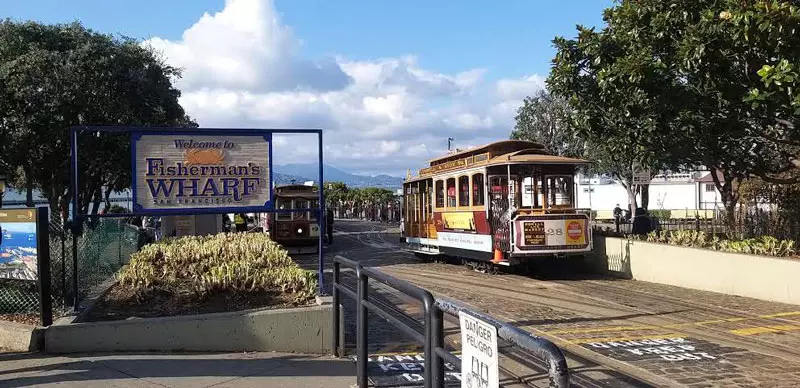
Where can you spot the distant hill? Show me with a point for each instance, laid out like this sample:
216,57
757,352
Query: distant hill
332,174
284,179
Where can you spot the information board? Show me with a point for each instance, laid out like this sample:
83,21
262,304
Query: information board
225,171
533,232
18,249
479,359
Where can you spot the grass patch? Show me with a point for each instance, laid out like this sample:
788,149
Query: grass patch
189,275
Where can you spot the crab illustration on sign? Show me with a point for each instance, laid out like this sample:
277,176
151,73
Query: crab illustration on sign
196,156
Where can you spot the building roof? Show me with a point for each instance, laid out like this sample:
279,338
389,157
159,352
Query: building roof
709,179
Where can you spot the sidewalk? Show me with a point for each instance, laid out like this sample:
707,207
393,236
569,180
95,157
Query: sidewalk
176,370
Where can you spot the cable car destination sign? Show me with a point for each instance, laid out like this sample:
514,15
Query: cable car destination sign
201,171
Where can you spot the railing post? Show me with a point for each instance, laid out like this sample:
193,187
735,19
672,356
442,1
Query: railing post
437,336
336,308
428,305
361,329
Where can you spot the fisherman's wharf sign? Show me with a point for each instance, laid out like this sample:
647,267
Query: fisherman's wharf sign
201,171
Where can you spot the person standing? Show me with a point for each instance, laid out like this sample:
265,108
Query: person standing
241,222
329,224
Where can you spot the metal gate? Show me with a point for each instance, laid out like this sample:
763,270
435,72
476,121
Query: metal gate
499,219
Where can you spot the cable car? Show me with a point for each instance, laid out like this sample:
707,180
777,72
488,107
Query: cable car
298,232
505,203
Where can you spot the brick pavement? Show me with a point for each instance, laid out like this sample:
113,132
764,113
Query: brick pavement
668,350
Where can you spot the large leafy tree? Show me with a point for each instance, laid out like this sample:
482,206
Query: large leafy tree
57,76
545,119
680,79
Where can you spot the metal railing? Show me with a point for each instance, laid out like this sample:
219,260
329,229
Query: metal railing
432,338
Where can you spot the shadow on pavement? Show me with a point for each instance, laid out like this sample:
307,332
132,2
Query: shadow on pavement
154,366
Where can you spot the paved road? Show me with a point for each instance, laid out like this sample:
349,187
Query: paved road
614,332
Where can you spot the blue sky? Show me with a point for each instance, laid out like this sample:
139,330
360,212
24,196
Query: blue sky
345,66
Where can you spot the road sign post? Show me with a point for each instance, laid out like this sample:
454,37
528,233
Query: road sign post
479,361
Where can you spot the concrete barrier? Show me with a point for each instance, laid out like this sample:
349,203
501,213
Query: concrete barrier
302,330
761,277
20,337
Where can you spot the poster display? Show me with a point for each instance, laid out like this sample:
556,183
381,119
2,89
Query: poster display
18,252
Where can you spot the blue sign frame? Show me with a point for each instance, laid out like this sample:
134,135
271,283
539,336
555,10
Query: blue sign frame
268,205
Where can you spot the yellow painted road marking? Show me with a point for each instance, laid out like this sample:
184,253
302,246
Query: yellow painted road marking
673,326
765,329
778,315
623,339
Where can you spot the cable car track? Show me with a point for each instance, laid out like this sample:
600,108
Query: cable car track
709,333
519,356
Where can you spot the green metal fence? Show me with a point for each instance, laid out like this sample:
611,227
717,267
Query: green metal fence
104,246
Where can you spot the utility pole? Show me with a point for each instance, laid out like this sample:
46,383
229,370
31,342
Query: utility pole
449,140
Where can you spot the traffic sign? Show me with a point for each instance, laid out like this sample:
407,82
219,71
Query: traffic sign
479,364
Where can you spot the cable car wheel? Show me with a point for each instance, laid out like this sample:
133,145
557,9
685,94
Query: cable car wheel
481,266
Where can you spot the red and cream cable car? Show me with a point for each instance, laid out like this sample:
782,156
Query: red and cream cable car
502,203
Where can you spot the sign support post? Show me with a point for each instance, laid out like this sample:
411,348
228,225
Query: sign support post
321,223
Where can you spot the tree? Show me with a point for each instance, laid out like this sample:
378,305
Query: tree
620,126
680,79
335,195
57,76
545,119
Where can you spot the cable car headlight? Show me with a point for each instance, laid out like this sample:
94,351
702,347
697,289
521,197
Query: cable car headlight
299,230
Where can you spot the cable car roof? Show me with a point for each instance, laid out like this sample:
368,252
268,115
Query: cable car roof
494,154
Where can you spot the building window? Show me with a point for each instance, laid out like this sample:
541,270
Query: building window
451,192
710,188
477,190
439,193
463,191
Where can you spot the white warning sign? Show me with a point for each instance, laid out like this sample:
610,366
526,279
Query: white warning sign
478,353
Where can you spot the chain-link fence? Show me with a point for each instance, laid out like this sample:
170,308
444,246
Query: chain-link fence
746,222
104,246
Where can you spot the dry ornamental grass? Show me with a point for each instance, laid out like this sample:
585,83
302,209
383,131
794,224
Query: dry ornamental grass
223,263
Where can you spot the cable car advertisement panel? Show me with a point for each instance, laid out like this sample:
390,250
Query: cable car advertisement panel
554,232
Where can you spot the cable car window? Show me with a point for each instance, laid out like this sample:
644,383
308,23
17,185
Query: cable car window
463,191
314,204
284,204
498,188
451,192
300,203
439,194
477,190
559,191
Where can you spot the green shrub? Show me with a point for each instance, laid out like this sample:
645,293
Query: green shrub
237,262
661,214
764,245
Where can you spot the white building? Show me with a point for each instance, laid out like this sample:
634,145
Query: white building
677,192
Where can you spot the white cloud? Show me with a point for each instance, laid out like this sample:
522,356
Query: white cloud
242,69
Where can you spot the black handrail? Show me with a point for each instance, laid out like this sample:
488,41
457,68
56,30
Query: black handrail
433,337
546,350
